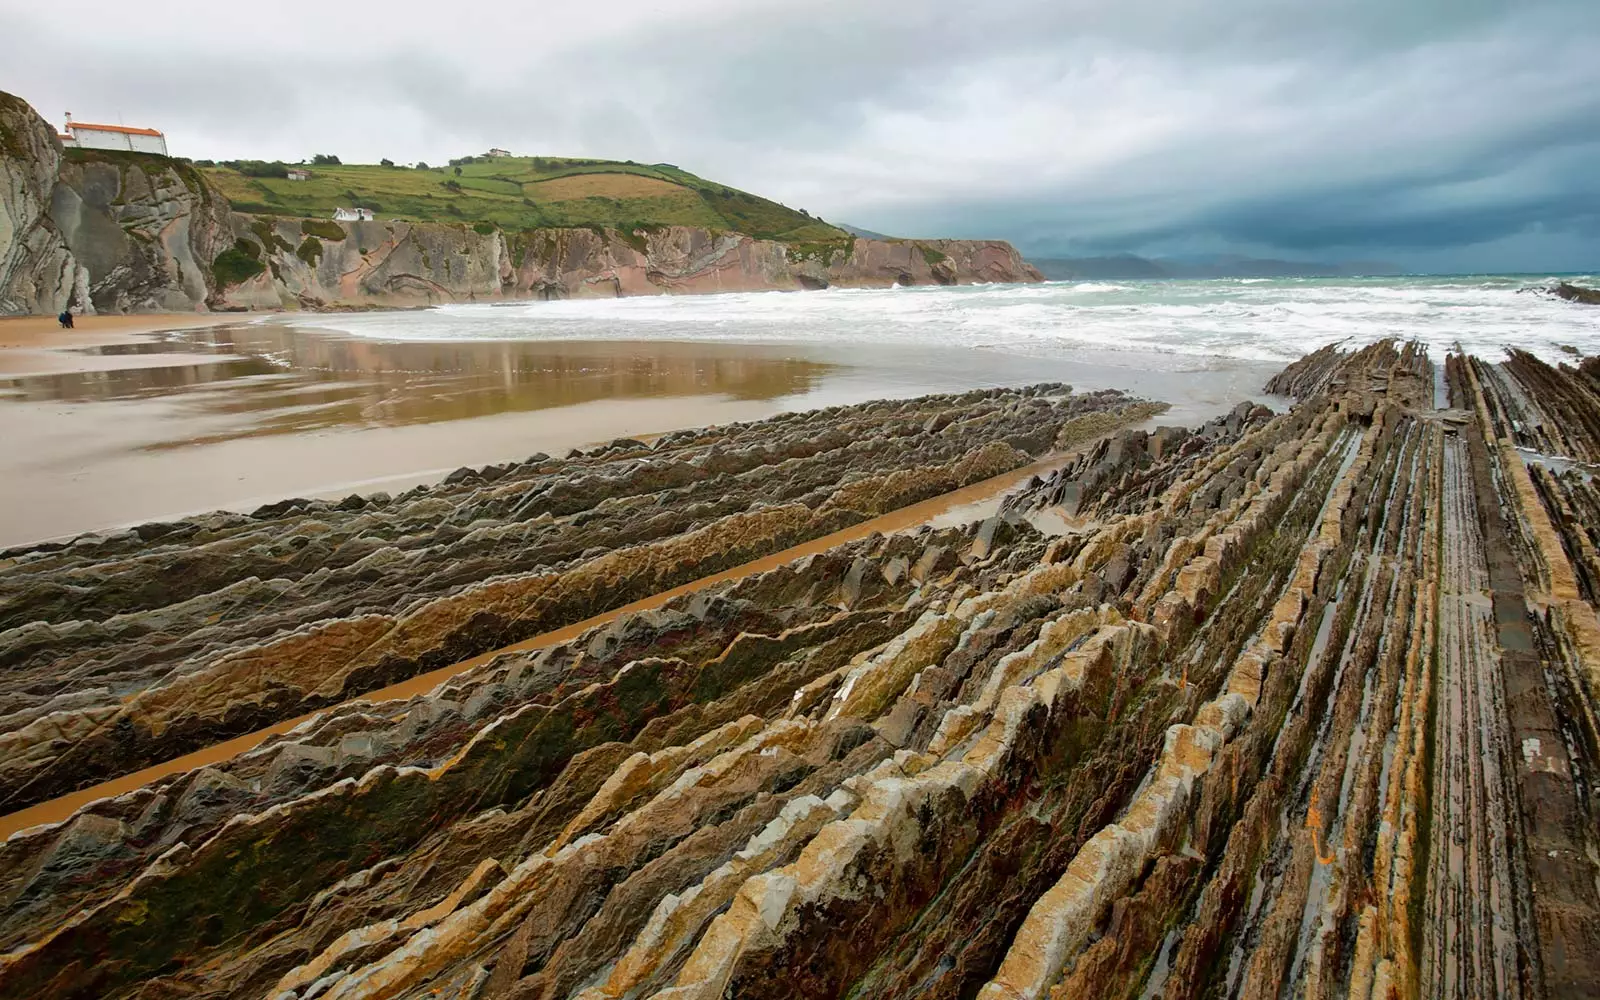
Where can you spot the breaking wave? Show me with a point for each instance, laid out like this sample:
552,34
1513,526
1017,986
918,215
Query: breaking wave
1181,321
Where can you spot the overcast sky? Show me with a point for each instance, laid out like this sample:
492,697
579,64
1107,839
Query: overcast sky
1439,134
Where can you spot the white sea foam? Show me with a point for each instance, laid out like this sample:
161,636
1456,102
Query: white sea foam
1183,322
1097,286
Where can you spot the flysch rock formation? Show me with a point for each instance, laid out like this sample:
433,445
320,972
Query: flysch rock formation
123,232
128,649
1295,704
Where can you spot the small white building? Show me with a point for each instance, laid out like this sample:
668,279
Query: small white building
499,152
299,175
352,215
133,140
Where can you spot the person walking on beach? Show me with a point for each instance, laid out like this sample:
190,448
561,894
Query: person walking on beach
65,319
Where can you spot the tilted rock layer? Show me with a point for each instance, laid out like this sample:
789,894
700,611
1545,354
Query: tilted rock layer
128,649
125,232
1294,704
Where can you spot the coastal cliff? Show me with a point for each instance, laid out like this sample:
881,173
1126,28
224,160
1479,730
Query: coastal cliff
120,232
36,269
315,264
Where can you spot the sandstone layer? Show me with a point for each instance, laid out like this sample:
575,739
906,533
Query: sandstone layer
1295,704
410,263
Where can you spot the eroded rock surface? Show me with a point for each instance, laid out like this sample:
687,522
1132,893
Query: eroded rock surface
1285,705
37,272
124,650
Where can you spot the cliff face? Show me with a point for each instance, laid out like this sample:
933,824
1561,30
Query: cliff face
37,272
402,263
143,230
116,232
100,231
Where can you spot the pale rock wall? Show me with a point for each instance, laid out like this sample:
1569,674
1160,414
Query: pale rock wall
374,264
144,231
37,272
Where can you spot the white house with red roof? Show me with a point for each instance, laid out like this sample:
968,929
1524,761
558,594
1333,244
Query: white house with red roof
135,140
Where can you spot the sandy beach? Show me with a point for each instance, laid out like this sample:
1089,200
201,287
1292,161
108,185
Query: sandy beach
129,419
36,345
18,332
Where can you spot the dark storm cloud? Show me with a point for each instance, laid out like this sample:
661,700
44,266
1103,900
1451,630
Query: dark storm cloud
1387,129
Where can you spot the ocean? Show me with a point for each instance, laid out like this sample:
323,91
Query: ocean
1172,325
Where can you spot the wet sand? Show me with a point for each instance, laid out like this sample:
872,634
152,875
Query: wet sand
906,518
36,345
234,416
45,332
132,419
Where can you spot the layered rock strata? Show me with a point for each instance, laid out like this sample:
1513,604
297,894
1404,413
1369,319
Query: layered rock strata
124,650
37,271
1292,704
410,263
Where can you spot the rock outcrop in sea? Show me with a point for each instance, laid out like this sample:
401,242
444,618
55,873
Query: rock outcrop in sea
1576,293
1288,704
121,232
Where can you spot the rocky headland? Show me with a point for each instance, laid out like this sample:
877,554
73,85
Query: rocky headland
1294,703
121,232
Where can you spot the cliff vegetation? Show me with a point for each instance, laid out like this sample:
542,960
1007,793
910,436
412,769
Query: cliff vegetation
520,193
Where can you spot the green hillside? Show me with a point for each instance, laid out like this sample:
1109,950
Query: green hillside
519,193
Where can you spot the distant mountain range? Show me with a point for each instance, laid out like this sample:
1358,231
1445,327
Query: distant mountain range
1124,266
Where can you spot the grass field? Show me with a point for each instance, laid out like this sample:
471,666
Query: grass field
517,193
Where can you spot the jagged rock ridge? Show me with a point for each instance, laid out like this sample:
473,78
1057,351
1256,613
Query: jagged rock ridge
36,268
129,649
1297,704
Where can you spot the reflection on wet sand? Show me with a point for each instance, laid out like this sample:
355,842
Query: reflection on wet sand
274,379
123,425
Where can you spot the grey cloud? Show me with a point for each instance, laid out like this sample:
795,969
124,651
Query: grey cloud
1067,126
